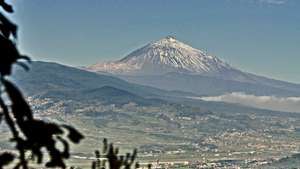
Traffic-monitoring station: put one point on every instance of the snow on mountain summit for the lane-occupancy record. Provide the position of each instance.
(164, 56)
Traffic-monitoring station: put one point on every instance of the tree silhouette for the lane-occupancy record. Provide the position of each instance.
(110, 158)
(29, 134)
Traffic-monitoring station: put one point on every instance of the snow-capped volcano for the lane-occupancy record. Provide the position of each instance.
(164, 56)
(172, 65)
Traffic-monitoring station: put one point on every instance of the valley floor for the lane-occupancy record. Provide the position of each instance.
(177, 136)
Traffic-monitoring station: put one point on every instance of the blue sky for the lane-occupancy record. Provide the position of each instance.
(259, 36)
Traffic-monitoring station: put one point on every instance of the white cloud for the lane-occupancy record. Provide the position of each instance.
(287, 104)
(271, 2)
(275, 2)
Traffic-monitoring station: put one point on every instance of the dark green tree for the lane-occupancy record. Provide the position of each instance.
(28, 134)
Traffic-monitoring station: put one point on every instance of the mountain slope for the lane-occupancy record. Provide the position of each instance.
(47, 78)
(172, 65)
(110, 95)
(163, 56)
(206, 85)
(98, 106)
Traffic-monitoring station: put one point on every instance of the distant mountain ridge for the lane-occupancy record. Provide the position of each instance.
(173, 65)
(54, 80)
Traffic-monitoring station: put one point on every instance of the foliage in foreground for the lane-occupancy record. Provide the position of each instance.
(30, 135)
(109, 158)
(112, 160)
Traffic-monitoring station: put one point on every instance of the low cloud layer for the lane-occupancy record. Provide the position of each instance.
(287, 104)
